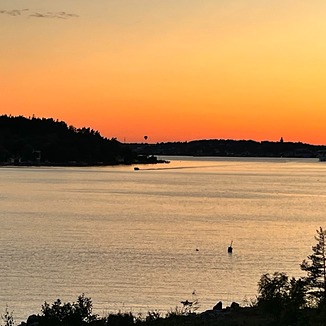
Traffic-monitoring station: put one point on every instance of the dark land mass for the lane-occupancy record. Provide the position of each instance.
(231, 148)
(46, 142)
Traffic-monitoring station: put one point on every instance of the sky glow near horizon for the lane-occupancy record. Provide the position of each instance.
(172, 70)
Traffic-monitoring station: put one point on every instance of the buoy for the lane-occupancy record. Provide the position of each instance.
(230, 248)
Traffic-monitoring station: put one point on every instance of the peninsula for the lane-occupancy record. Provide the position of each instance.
(48, 142)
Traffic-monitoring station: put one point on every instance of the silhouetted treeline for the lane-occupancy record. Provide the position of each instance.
(230, 148)
(48, 141)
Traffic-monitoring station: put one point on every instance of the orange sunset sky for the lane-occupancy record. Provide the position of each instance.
(174, 70)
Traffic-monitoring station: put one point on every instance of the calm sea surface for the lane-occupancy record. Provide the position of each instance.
(128, 239)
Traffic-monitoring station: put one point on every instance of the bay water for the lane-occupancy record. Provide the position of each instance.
(146, 240)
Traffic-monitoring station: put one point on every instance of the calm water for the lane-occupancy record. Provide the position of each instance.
(128, 239)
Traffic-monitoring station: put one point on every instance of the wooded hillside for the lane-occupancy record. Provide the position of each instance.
(48, 141)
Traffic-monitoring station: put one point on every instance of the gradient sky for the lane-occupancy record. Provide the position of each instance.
(174, 70)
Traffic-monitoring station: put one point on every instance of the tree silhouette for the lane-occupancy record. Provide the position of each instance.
(315, 266)
(46, 141)
(76, 313)
(281, 298)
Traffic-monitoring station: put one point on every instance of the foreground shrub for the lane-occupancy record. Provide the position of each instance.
(120, 319)
(76, 313)
(7, 318)
(280, 297)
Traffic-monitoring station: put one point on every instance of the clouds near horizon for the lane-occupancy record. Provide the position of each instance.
(38, 14)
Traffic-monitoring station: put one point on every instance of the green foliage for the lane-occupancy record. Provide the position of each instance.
(315, 266)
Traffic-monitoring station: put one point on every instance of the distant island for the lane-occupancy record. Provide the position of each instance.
(232, 148)
(48, 142)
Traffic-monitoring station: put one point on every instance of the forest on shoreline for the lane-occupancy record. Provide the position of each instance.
(49, 142)
(232, 148)
(281, 301)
